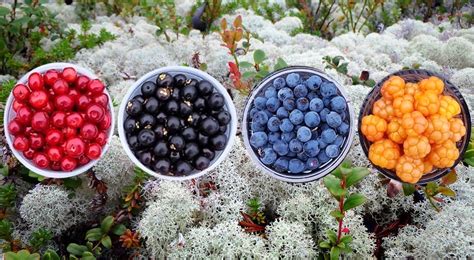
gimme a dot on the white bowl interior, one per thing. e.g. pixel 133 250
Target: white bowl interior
pixel 192 73
pixel 10 114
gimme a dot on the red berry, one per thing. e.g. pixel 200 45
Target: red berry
pixel 29 154
pixel 54 137
pixel 36 141
pixel 83 160
pixel 102 99
pixel 74 120
pixel 58 119
pixel 54 154
pixel 40 121
pixel 83 102
pixel 81 83
pixel 49 107
pixel 50 77
pixel 21 143
pixel 95 113
pixel 101 138
pixel 41 160
pixel 68 164
pixel 14 127
pixel 106 122
pixel 17 105
pixel 89 131
pixel 94 151
pixel 56 166
pixel 69 74
pixel 35 81
pixel 38 99
pixel 74 94
pixel 69 132
pixel 21 92
pixel 60 87
pixel 75 147
pixel 95 87
pixel 24 115
pixel 64 103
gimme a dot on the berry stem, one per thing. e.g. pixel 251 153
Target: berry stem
pixel 341 208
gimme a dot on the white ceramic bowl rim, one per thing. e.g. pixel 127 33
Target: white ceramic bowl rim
pixel 195 73
pixel 328 166
pixel 9 115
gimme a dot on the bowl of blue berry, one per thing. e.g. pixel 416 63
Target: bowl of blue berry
pixel 298 124
pixel 177 123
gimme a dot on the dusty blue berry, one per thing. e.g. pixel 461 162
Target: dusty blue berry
pixel 292 79
pixel 302 104
pixel 328 136
pixel 282 113
pixel 313 82
pixel 268 156
pixel 270 92
pixel 273 124
pixel 339 140
pixel 289 104
pixel 323 114
pixel 316 104
pixel 280 147
pixel 311 119
pixel 311 148
pixel 258 139
pixel 322 157
pixel 288 136
pixel 328 89
pixel 312 164
pixel 333 119
pixel 300 91
pixel 296 166
pixel 343 129
pixel 260 103
pixel 257 127
pixel 260 118
pixel 273 104
pixel 338 104
pixel 285 93
pixel 296 117
pixel 273 137
pixel 332 151
pixel 279 83
pixel 303 134
pixel 286 125
pixel 321 143
pixel 295 146
pixel 281 164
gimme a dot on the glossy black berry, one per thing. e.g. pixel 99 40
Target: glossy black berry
pixel 162 166
pixel 191 150
pixel 179 80
pixel 148 89
pixel 185 109
pixel 218 142
pixel 208 153
pixel 145 157
pixel 160 132
pixel 203 139
pixel 152 105
pixel 183 168
pixel 189 93
pixel 134 107
pixel 205 88
pixel 161 149
pixel 164 80
pixel 139 98
pixel 175 94
pixel 146 137
pixel 223 117
pixel 176 143
pixel 209 126
pixel 161 118
pixel 163 94
pixel 189 134
pixel 130 125
pixel 172 124
pixel 147 121
pixel 201 163
pixel 215 101
pixel 175 156
pixel 133 142
pixel 191 82
pixel 222 129
pixel 199 104
pixel 172 107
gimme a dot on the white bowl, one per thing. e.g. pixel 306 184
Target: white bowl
pixel 195 74
pixel 10 114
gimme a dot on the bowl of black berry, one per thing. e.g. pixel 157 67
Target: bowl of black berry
pixel 298 124
pixel 177 123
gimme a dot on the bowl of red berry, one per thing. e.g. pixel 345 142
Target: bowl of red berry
pixel 298 124
pixel 59 120
pixel 177 123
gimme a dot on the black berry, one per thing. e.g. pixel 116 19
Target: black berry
pixel 146 137
pixel 205 88
pixel 215 101
pixel 218 142
pixel 179 80
pixel 134 107
pixel 148 89
pixel 162 166
pixel 189 134
pixel 130 125
pixel 161 149
pixel 209 126
pixel 201 163
pixel 183 168
pixel 152 105
pixel 164 80
pixel 191 150
pixel 147 121
pixel 176 143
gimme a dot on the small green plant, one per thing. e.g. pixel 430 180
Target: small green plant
pixel 7 196
pixel 254 220
pixel 337 63
pixel 353 14
pixel 316 19
pixel 338 184
pixel 132 200
pixel 22 255
pixel 40 238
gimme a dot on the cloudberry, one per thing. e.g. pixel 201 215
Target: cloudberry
pixel 402 105
pixel 448 107
pixel 414 123
pixel 416 147
pixel 457 128
pixel 393 87
pixel 432 83
pixel 383 108
pixel 411 88
pixel 409 170
pixel 373 127
pixel 396 132
pixel 427 103
pixel 444 155
pixel 384 153
pixel 437 130
pixel 427 166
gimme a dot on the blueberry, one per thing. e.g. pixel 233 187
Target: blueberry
pixel 202 162
pixel 300 91
pixel 328 136
pixel 260 118
pixel 260 103
pixel 324 127
pixel 328 89
pixel 281 164
pixel 322 157
pixel 312 164
pixel 338 104
pixel 273 104
pixel 146 137
pixel 333 119
pixel 175 94
pixel 296 117
pixel 289 104
pixel 295 145
pixel 174 156
pixel 179 80
pixel 268 156
pixel 296 166
pixel 162 166
pixel 302 156
pixel 288 136
pixel 339 140
pixel 215 101
pixel 134 107
pixel 257 127
pixel 321 143
pixel 218 142
pixel 327 101
pixel 148 89
pixel 332 151
pixel 312 95
pixel 191 150
pixel 183 168
pixel 161 149
pixel 292 79
pixel 323 114
pixel 205 87
pixel 313 82
pixel 303 134
pixel 302 104
pixel 285 93
pixel 222 129
pixel 343 129
pixel 286 125
pixel 282 113
pixel 280 147
pixel 253 111
pixel 279 83
pixel 316 105
pixel 273 137
pixel 151 105
pixel 273 124
pixel 258 139
pixel 311 148
pixel 311 119
pixel 176 143
pixel 270 92
pixel 223 117
pixel 209 126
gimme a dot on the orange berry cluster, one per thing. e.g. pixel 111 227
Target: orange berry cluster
pixel 413 128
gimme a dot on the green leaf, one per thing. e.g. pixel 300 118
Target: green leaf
pixel 119 229
pixel 370 83
pixel 356 175
pixel 335 252
pixel 245 65
pixel 88 256
pixel 355 80
pixel 408 189
pixel 354 200
pixel 261 74
pixel 431 188
pixel 337 214
pixel 22 255
pixel 249 74
pixel 325 244
pixel 36 176
pixel 107 242
pixel 342 68
pixel 106 224
pixel 203 67
pixel 280 64
pixel 446 191
pixel 50 255
pixel 336 60
pixel 341 245
pixel 76 249
pixel 469 161
pixel 346 239
pixel 4 11
pixel 333 184
pixel 259 56
pixel 94 234
pixel 331 235
pixel 449 178
pixel 469 153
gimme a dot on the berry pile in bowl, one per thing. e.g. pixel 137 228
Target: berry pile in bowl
pixel 59 120
pixel 177 123
pixel 298 124
pixel 413 126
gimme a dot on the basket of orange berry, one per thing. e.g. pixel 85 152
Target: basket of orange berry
pixel 412 126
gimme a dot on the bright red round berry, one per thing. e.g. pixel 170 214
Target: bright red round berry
pixel 83 102
pixel 60 87
pixel 83 160
pixel 101 138
pixel 58 119
pixel 74 120
pixel 40 121
pixel 95 113
pixel 49 108
pixel 54 153
pixel 14 127
pixel 38 99
pixel 95 87
pixel 75 147
pixel 56 166
pixel 24 115
pixel 74 94
pixel 54 137
pixel 68 164
pixel 21 92
pixel 29 154
pixel 94 151
pixel 64 103
pixel 69 74
pixel 81 83
pixel 102 99
pixel 17 105
pixel 89 131
pixel 21 143
pixel 69 132
pixel 50 77
pixel 36 141
pixel 105 123
pixel 41 160
pixel 35 81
